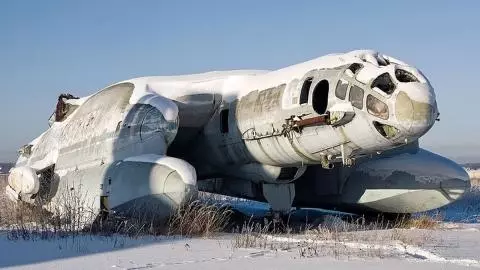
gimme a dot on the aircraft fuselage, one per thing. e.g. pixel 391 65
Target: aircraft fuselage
pixel 144 143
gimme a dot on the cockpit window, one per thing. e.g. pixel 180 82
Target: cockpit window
pixel 376 107
pixel 356 96
pixel 154 122
pixel 341 90
pixel 384 83
pixel 353 69
pixel 304 93
pixel 405 76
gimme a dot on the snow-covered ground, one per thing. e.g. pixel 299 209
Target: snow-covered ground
pixel 453 246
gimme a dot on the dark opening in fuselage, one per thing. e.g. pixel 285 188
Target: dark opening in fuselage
pixel 320 97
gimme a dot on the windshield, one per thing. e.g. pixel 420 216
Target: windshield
pixel 356 96
pixel 377 108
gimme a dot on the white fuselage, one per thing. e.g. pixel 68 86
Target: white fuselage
pixel 260 124
pixel 247 124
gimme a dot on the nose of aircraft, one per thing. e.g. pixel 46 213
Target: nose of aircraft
pixel 416 109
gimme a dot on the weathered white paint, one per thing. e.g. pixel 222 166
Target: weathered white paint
pixel 24 180
pixel 81 152
pixel 422 164
pixel 236 84
pixel 164 105
pixel 186 171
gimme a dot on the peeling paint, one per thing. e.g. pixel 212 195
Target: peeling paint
pixel 224 122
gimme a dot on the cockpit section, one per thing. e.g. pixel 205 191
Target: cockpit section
pixel 398 98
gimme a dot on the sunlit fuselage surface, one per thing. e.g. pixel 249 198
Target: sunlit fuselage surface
pixel 156 140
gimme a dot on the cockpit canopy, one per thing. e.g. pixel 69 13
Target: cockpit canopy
pixel 379 88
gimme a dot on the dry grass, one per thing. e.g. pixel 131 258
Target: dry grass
pixel 199 218
pixel 330 236
pixel 74 217
pixel 334 236
pixel 205 218
pixel 423 221
pixel 252 235
pixel 195 219
pixel 69 218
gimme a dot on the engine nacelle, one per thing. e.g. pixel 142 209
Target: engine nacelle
pixel 23 183
pixel 150 184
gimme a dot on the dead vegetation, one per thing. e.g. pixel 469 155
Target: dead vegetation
pixel 199 218
pixel 338 237
pixel 423 221
pixel 194 219
pixel 205 218
pixel 361 237
pixel 209 216
pixel 74 217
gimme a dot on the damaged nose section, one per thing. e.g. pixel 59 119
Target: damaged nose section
pixel 414 117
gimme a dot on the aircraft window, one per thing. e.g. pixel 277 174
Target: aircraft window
pixel 382 61
pixel 386 131
pixel 305 90
pixel 341 90
pixel 320 97
pixel 355 67
pixel 224 121
pixel 384 82
pixel 377 108
pixel 154 122
pixel 356 96
pixel 405 76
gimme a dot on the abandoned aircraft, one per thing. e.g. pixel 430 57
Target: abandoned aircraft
pixel 338 132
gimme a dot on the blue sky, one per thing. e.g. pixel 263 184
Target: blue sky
pixel 49 47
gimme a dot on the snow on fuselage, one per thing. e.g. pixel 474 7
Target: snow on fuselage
pixel 232 123
pixel 262 101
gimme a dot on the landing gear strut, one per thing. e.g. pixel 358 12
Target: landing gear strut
pixel 280 197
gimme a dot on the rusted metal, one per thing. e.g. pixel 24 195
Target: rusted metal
pixel 320 120
pixel 62 108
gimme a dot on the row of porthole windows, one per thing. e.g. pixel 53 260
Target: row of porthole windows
pixel 374 106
